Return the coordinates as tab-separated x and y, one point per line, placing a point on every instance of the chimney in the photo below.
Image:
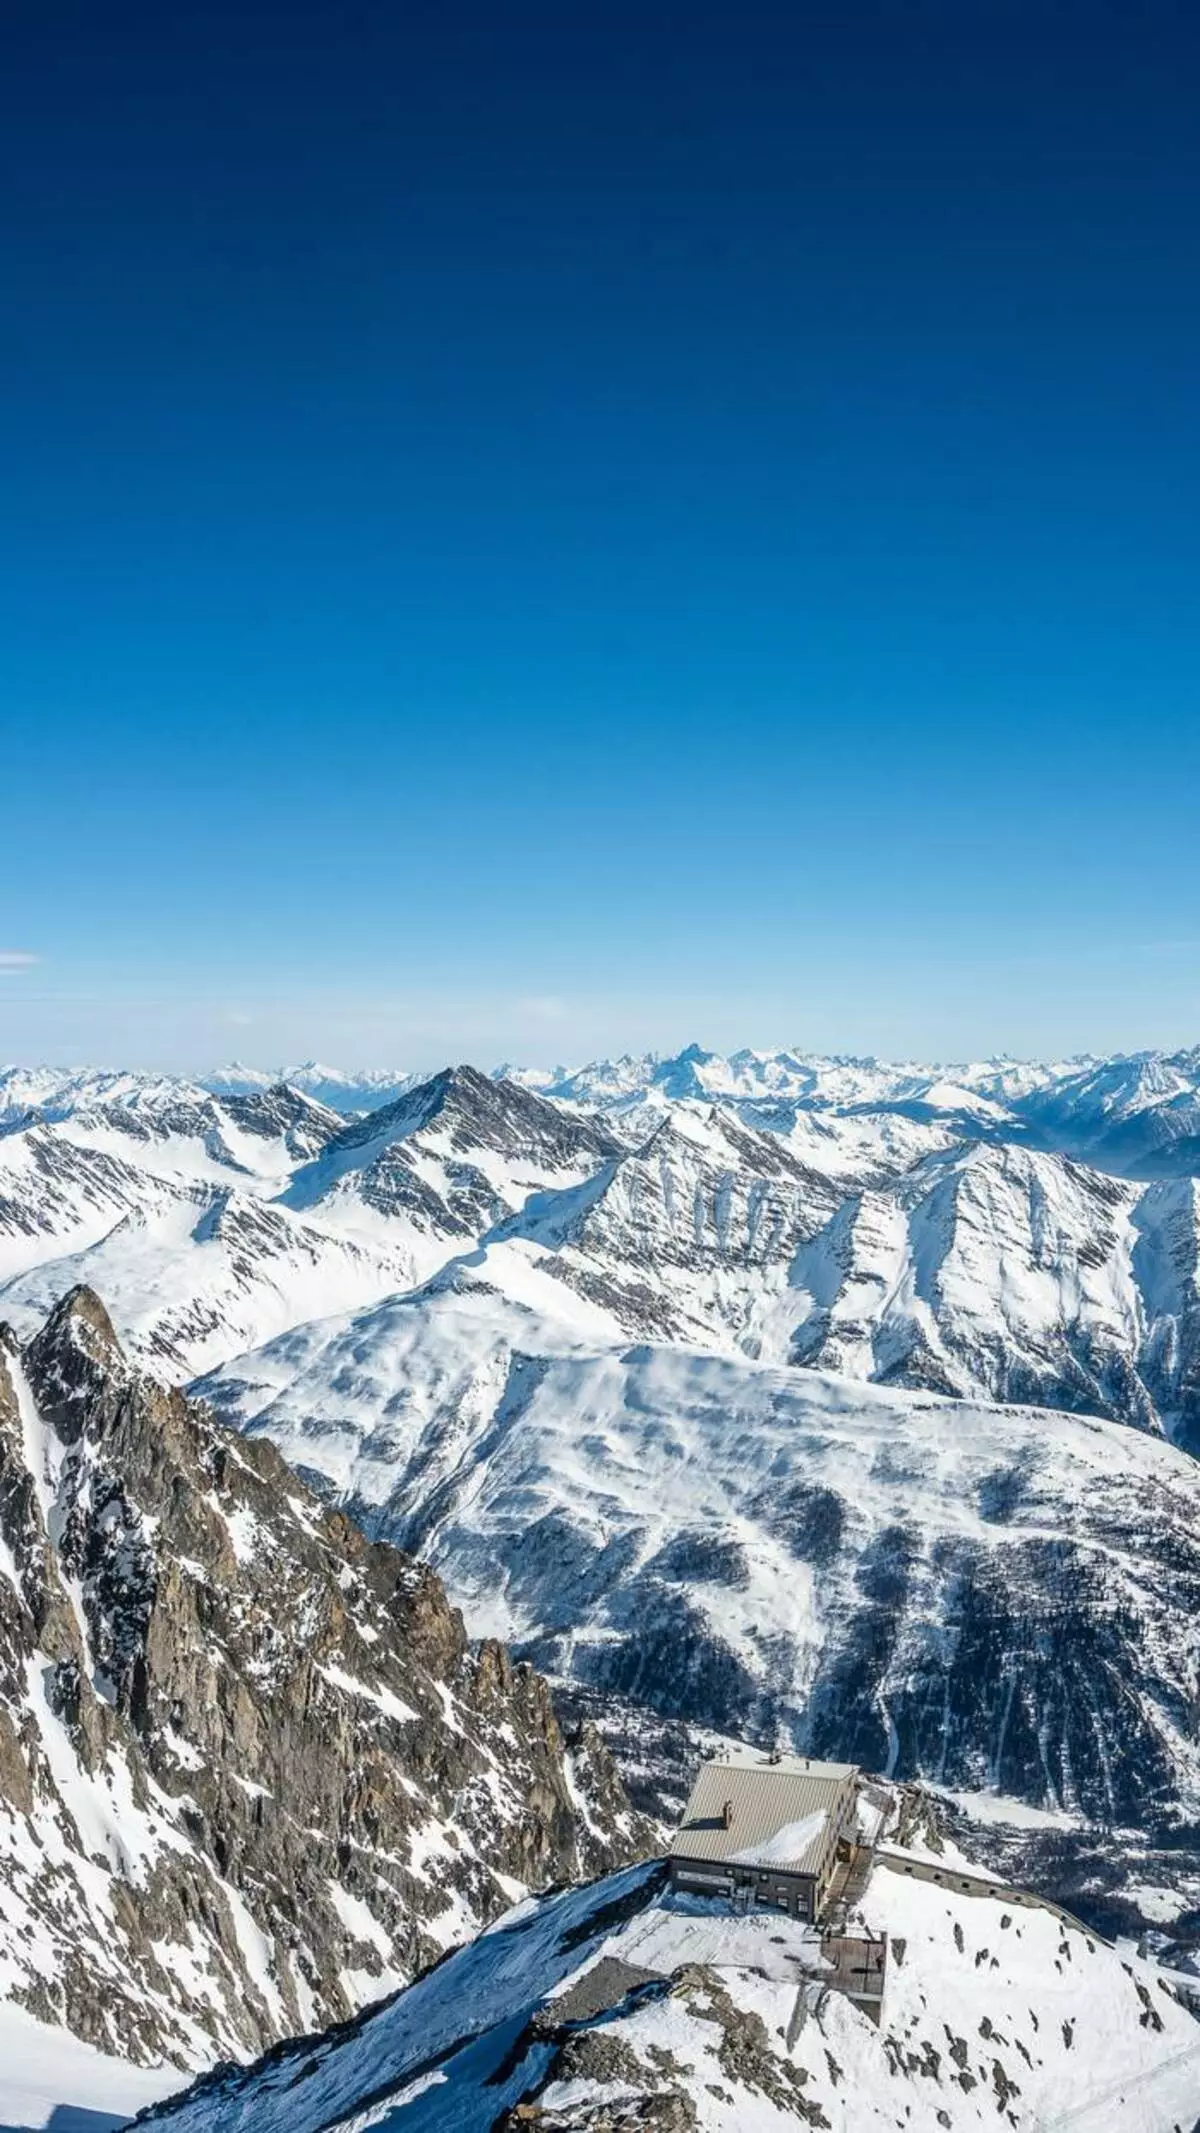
727	1815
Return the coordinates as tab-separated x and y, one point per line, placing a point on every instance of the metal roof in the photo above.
765	1797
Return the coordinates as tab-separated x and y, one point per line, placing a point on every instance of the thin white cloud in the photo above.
544	1008
13	960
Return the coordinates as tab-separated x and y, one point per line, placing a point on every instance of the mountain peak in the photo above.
499	1111
464	1076
79	1323
74	1360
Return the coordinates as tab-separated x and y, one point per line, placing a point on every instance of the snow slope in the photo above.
980	1270
165	1200
207	1271
1018	1275
998	1597
988	2010
50	2079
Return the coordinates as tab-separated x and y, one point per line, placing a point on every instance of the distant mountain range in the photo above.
1137	1114
358	1091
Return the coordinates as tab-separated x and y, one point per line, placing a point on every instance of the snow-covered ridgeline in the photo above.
709	2021
885	1246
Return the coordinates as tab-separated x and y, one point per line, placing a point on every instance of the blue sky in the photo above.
531	532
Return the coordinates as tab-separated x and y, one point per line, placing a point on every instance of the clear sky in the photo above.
535	529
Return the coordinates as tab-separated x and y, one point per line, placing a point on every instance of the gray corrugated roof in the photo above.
766	1797
735	1755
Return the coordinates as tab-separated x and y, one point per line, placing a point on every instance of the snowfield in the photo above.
988	2009
50	2079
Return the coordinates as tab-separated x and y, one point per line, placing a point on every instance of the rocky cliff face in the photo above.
252	1771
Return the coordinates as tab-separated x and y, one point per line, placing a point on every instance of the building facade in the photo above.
767	1828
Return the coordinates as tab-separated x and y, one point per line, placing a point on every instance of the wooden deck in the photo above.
859	1968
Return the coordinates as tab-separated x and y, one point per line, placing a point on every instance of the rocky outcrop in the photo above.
253	1772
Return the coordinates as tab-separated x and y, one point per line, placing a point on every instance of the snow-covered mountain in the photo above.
890	1250
703	1382
1133	1112
360	1089
996	1598
446	1162
1136	1115
980	1269
188	1278
307	1265
992	1269
798	1224
898	1248
802	1079
27	1093
621	2007
252	1771
167	1201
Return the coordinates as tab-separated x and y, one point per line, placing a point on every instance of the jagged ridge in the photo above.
252	1771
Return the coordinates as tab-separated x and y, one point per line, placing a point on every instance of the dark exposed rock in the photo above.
744	2047
304	1125
473	1115
809	1518
676	1663
296	1776
661	2112
703	1558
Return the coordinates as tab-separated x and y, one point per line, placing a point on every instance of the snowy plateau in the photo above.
817	1401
